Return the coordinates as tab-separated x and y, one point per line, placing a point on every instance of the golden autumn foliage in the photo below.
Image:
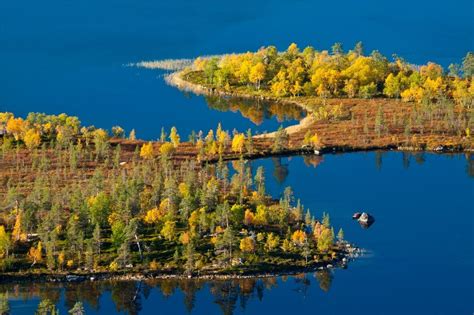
412	94
199	64
32	139
433	88
238	143
16	126
193	221
298	237
61	259
183	189
392	86
328	74
167	149
146	151
280	86
272	242
154	265
100	135
293	49
249	217
461	90
261	215
257	74
431	70
153	216
247	245
114	266
35	253
185	238
113	218
174	137
169	230
18	234
315	140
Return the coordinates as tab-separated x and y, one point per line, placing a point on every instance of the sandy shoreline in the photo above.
174	79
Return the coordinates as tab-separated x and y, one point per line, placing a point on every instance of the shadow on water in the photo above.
129	296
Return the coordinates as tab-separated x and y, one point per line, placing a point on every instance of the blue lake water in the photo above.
69	56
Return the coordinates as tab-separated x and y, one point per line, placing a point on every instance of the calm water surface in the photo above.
420	249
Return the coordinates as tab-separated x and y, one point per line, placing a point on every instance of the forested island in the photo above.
78	200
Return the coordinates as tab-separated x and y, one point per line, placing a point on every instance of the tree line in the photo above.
335	73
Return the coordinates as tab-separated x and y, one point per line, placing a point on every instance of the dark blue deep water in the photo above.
69	56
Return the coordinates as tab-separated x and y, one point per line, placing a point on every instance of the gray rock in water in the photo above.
366	219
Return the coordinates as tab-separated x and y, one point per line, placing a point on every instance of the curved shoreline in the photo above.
175	79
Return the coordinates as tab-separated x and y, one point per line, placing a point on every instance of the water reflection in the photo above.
257	110
420	159
470	165
130	296
281	164
280	170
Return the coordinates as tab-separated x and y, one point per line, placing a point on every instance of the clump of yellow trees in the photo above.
337	73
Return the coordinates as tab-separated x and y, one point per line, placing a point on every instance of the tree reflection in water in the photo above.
280	170
128	296
470	164
420	159
257	110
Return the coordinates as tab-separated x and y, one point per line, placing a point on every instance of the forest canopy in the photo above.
336	73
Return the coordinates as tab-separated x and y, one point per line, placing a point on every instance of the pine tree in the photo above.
280	141
4	243
46	307
132	136
163	135
379	121
249	146
340	235
78	309
174	137
307	218
260	181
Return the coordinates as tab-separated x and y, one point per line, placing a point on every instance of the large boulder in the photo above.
366	219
